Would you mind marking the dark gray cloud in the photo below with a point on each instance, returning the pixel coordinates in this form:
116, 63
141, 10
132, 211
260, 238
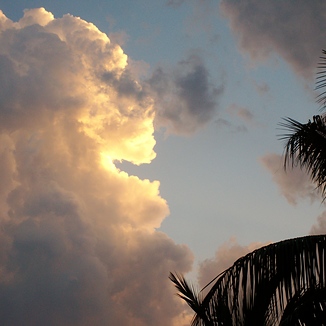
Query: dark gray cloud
186, 98
296, 30
126, 85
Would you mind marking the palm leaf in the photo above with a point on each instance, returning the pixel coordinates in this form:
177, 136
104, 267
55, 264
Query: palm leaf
307, 307
188, 294
264, 285
306, 143
306, 147
186, 291
321, 80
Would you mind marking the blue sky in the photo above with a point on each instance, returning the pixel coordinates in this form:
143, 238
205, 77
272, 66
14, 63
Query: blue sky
206, 85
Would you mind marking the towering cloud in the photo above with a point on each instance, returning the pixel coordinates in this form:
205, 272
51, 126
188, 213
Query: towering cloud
79, 244
296, 30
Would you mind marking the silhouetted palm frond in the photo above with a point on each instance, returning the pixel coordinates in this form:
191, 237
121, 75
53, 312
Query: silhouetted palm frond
188, 294
306, 143
306, 147
186, 291
308, 307
268, 285
321, 80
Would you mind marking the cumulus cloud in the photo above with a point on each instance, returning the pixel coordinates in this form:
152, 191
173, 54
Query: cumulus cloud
294, 183
224, 258
186, 98
296, 30
79, 244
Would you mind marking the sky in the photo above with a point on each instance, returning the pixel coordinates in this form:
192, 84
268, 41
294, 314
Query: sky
140, 138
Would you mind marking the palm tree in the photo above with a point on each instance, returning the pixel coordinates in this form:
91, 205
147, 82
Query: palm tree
283, 283
280, 284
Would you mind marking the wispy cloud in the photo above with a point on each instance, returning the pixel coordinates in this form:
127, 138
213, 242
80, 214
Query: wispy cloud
241, 112
294, 184
262, 88
320, 226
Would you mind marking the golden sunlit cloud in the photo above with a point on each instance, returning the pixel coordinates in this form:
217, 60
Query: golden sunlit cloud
107, 162
79, 244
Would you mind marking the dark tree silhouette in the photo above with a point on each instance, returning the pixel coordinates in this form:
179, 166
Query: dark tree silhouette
306, 148
280, 284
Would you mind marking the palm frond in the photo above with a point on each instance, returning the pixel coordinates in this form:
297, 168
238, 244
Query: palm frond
307, 307
306, 147
321, 80
186, 291
260, 286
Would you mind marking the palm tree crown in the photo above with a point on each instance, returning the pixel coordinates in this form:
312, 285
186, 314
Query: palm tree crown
306, 147
279, 284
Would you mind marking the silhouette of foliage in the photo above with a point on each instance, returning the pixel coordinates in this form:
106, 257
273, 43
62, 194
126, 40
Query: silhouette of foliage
306, 147
279, 284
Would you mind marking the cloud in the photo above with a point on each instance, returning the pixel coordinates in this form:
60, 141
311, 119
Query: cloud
225, 257
78, 236
296, 30
241, 112
262, 88
320, 226
186, 98
294, 184
223, 123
